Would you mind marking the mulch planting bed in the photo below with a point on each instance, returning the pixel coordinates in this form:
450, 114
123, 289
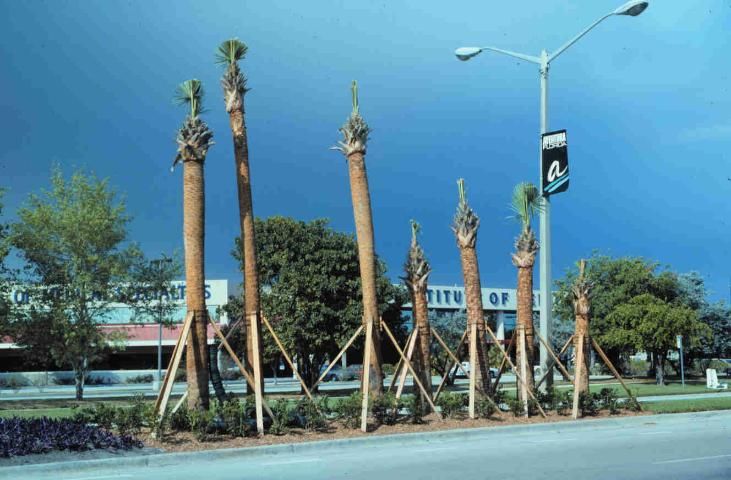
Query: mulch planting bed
186, 442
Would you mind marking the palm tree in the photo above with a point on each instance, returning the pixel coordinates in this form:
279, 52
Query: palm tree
353, 147
194, 139
581, 291
417, 274
525, 204
465, 228
233, 83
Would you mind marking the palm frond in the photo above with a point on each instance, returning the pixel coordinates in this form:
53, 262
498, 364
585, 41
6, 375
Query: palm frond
190, 92
231, 51
415, 229
354, 90
526, 202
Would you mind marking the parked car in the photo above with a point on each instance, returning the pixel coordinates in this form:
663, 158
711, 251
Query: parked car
460, 372
340, 374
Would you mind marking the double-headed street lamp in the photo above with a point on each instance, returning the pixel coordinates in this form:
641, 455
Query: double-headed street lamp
631, 9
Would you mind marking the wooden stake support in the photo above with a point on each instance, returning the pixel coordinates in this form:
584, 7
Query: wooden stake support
407, 362
578, 368
247, 375
337, 357
366, 386
523, 369
552, 364
473, 369
167, 385
455, 358
503, 363
286, 356
556, 360
404, 371
512, 365
398, 364
614, 371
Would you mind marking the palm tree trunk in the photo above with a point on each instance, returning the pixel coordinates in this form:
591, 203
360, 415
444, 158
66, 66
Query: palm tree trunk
475, 314
193, 235
582, 331
248, 238
525, 320
422, 353
367, 260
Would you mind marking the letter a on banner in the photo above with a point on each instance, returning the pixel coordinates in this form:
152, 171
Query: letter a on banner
554, 163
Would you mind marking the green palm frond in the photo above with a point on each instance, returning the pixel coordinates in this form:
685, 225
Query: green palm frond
231, 51
526, 202
190, 92
354, 90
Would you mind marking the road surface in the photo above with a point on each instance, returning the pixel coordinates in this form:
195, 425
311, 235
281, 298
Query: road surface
663, 447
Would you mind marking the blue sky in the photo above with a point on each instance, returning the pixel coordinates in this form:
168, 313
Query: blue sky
645, 101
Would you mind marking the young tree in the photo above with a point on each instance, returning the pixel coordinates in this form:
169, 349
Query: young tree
581, 293
353, 146
525, 204
311, 289
72, 238
233, 82
451, 326
194, 139
650, 324
465, 228
417, 275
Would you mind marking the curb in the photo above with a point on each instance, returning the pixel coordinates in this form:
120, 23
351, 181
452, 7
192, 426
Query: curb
169, 459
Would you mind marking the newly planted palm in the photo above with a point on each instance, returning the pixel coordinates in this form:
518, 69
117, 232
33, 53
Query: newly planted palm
353, 146
417, 274
465, 226
233, 82
525, 204
194, 139
581, 291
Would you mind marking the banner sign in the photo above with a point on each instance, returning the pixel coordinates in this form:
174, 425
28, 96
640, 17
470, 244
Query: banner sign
554, 163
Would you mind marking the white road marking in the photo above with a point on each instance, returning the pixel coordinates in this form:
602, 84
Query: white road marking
287, 462
680, 460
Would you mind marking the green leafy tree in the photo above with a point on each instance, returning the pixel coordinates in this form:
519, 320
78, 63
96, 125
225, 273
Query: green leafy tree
311, 289
5, 305
650, 324
450, 326
73, 238
616, 281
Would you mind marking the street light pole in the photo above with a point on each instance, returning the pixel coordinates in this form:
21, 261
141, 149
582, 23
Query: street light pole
631, 8
159, 264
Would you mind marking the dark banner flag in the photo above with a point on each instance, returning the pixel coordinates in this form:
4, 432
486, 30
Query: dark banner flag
554, 162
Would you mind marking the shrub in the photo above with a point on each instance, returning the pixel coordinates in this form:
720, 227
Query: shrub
281, 417
500, 398
235, 417
25, 436
451, 404
416, 408
547, 399
200, 421
179, 420
385, 408
311, 414
484, 407
608, 398
632, 404
348, 410
388, 369
129, 420
100, 414
140, 379
562, 401
588, 404
517, 407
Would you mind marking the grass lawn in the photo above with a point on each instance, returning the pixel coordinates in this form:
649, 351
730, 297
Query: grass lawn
699, 405
37, 412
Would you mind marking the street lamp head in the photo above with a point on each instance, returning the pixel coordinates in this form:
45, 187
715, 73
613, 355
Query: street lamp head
465, 53
632, 8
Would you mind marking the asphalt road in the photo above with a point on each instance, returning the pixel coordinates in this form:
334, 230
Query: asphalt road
688, 446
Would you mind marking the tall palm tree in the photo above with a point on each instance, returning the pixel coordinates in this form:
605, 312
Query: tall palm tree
233, 83
525, 204
465, 226
581, 291
194, 139
417, 274
353, 146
